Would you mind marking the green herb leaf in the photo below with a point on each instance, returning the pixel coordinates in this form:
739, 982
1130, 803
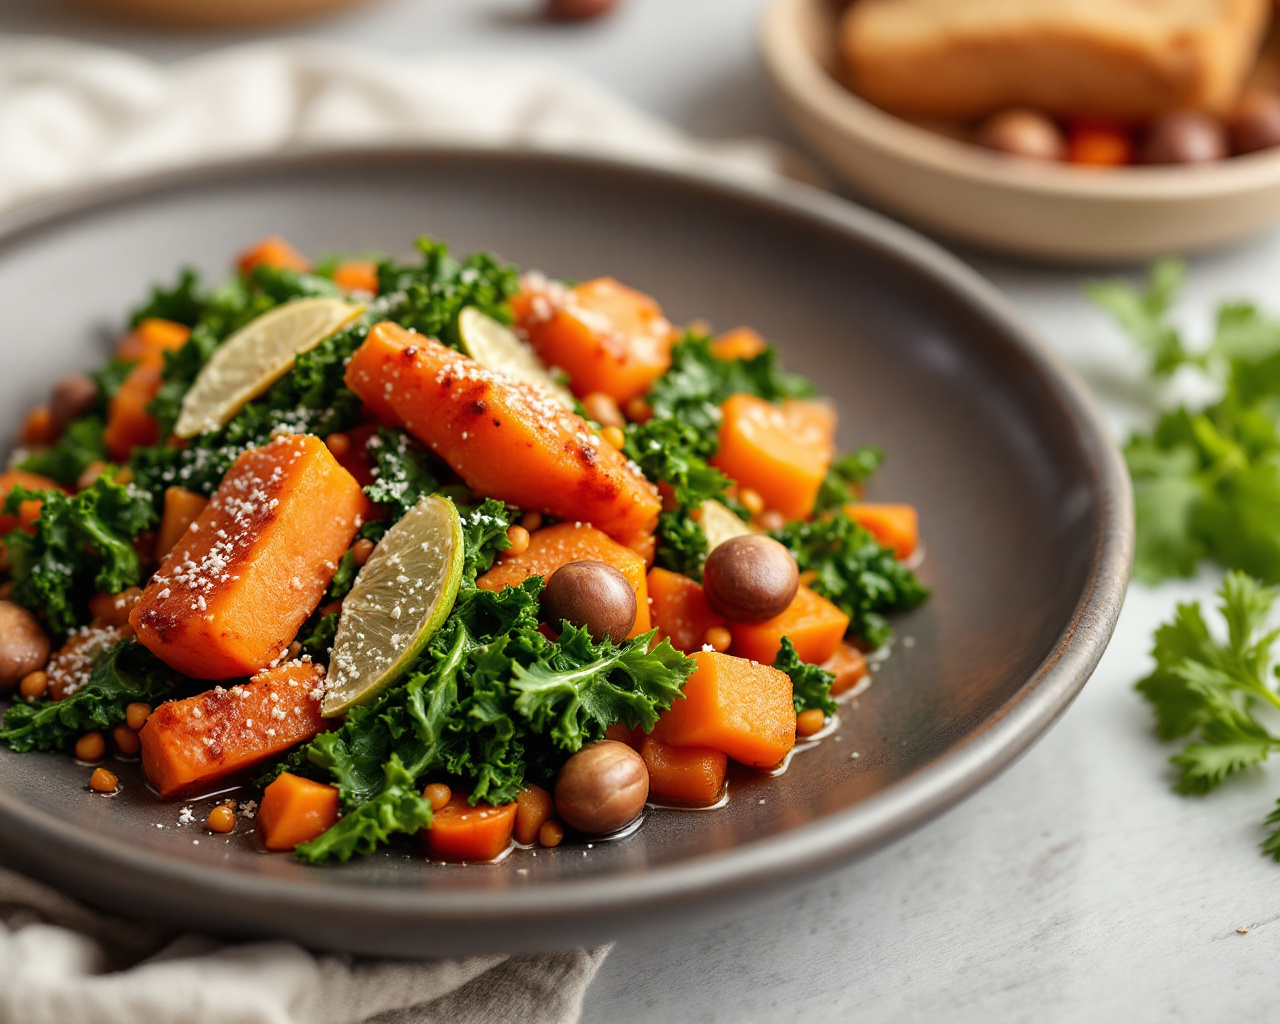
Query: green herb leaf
1143, 315
79, 447
843, 482
810, 684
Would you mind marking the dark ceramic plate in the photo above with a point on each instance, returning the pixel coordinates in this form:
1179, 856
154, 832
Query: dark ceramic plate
1024, 503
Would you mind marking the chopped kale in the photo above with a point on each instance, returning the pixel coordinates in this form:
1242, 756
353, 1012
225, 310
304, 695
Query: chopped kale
403, 471
75, 451
81, 544
843, 482
810, 684
122, 674
853, 571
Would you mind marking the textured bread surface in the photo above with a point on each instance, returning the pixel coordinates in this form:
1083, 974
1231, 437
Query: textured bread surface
1129, 59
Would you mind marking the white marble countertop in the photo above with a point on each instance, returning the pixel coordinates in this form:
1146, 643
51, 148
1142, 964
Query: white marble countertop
1074, 887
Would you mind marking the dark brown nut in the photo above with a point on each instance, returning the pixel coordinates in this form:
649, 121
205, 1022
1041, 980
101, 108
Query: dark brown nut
602, 788
24, 647
1184, 137
72, 397
579, 10
1023, 133
1255, 124
593, 596
750, 579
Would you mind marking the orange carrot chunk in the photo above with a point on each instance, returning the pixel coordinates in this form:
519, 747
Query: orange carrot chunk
735, 706
682, 776
895, 526
129, 425
295, 810
848, 665
461, 832
272, 252
357, 276
554, 546
680, 610
181, 508
151, 339
232, 593
503, 437
781, 452
187, 744
29, 510
739, 343
813, 623
605, 336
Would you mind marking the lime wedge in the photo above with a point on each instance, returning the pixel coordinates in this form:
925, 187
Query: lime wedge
255, 357
720, 524
403, 594
496, 347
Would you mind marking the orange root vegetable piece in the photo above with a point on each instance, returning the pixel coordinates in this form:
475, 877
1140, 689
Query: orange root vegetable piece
357, 276
232, 593
503, 437
848, 665
605, 336
735, 706
357, 460
813, 623
29, 510
682, 776
781, 452
680, 610
461, 832
554, 546
151, 339
129, 425
295, 810
187, 744
272, 252
38, 428
739, 343
895, 526
181, 508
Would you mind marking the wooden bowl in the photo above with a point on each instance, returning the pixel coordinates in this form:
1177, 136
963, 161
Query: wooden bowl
1051, 211
214, 13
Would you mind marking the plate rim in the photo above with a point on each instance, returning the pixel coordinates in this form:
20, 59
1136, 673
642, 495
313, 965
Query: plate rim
111, 871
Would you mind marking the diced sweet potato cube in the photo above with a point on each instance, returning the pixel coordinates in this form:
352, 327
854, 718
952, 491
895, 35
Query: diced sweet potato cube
504, 438
32, 482
129, 425
554, 546
188, 744
605, 336
461, 832
782, 452
273, 252
231, 595
151, 339
735, 706
181, 508
848, 665
813, 623
295, 810
357, 276
895, 526
682, 776
680, 610
739, 343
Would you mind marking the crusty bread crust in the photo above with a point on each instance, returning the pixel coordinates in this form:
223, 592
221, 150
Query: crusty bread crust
1127, 59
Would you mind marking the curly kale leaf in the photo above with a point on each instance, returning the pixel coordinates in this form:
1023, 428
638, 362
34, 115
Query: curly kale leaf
403, 472
844, 480
810, 684
68, 457
853, 571
484, 532
122, 675
682, 544
82, 543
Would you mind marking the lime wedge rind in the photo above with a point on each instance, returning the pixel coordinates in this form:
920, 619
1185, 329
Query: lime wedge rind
496, 347
400, 598
255, 357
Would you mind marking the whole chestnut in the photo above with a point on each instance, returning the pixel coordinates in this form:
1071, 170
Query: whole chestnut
579, 10
1184, 137
1255, 124
750, 578
593, 596
24, 646
1025, 133
602, 788
72, 397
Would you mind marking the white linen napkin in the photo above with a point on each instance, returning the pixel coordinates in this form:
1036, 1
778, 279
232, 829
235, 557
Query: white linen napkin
72, 115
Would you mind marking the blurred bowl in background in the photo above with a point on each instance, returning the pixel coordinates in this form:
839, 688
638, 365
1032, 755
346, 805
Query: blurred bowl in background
1050, 211
214, 13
